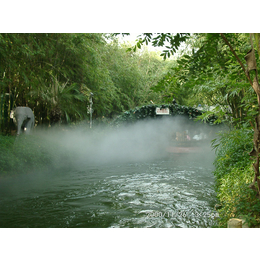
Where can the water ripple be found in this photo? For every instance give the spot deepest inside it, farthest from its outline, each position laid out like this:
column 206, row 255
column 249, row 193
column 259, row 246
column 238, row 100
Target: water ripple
column 151, row 194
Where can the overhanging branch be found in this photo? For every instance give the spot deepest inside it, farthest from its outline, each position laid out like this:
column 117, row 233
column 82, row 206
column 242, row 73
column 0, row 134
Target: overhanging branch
column 239, row 61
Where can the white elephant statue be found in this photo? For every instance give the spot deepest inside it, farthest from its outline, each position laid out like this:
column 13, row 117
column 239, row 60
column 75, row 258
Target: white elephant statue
column 23, row 117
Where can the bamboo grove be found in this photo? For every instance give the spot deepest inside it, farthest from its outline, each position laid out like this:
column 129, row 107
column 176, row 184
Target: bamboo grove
column 54, row 74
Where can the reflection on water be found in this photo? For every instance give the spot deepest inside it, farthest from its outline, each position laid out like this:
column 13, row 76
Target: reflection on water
column 173, row 192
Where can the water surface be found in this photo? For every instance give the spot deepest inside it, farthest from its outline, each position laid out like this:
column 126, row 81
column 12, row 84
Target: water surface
column 173, row 192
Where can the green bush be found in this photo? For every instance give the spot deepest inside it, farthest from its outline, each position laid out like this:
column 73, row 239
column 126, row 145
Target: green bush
column 232, row 151
column 233, row 175
column 237, row 199
column 27, row 153
column 6, row 160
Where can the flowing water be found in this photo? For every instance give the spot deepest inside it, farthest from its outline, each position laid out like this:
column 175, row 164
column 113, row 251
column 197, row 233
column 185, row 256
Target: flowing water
column 176, row 191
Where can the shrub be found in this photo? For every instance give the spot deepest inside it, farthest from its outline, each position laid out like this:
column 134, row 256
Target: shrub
column 27, row 153
column 233, row 175
column 232, row 151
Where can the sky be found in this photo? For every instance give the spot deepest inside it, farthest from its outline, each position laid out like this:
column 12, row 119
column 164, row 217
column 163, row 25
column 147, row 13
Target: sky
column 134, row 36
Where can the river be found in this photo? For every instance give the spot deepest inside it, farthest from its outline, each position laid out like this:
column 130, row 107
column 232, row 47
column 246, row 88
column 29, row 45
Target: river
column 176, row 191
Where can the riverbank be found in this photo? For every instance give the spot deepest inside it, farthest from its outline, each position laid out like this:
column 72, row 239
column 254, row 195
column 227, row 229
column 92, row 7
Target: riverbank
column 233, row 176
column 27, row 153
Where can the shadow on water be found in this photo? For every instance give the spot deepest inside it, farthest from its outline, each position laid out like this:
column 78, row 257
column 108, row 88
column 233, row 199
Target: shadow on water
column 114, row 178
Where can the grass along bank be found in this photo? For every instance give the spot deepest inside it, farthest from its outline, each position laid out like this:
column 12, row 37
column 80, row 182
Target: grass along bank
column 29, row 153
column 234, row 173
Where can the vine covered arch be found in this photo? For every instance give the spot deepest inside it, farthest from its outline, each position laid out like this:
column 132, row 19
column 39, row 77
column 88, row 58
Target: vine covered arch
column 149, row 111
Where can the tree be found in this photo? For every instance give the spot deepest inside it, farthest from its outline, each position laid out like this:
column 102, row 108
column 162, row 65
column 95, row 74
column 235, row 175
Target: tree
column 133, row 75
column 54, row 74
column 203, row 62
column 41, row 70
column 252, row 66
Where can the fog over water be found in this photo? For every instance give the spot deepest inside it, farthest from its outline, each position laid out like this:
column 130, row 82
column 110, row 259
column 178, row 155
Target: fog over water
column 143, row 140
column 116, row 177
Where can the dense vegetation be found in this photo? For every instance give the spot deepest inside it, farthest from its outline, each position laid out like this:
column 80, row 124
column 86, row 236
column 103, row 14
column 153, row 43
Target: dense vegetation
column 54, row 74
column 236, row 192
column 28, row 154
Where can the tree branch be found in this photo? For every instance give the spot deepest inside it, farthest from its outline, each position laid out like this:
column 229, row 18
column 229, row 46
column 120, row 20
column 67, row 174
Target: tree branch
column 239, row 61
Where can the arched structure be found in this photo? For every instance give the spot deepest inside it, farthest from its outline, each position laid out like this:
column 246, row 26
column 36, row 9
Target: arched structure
column 149, row 111
column 184, row 134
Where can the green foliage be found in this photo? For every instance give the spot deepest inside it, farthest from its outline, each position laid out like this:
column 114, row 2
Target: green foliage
column 27, row 153
column 232, row 151
column 35, row 67
column 237, row 199
column 43, row 70
column 6, row 157
column 133, row 75
column 6, row 104
column 207, row 73
column 233, row 175
column 54, row 74
column 169, row 40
